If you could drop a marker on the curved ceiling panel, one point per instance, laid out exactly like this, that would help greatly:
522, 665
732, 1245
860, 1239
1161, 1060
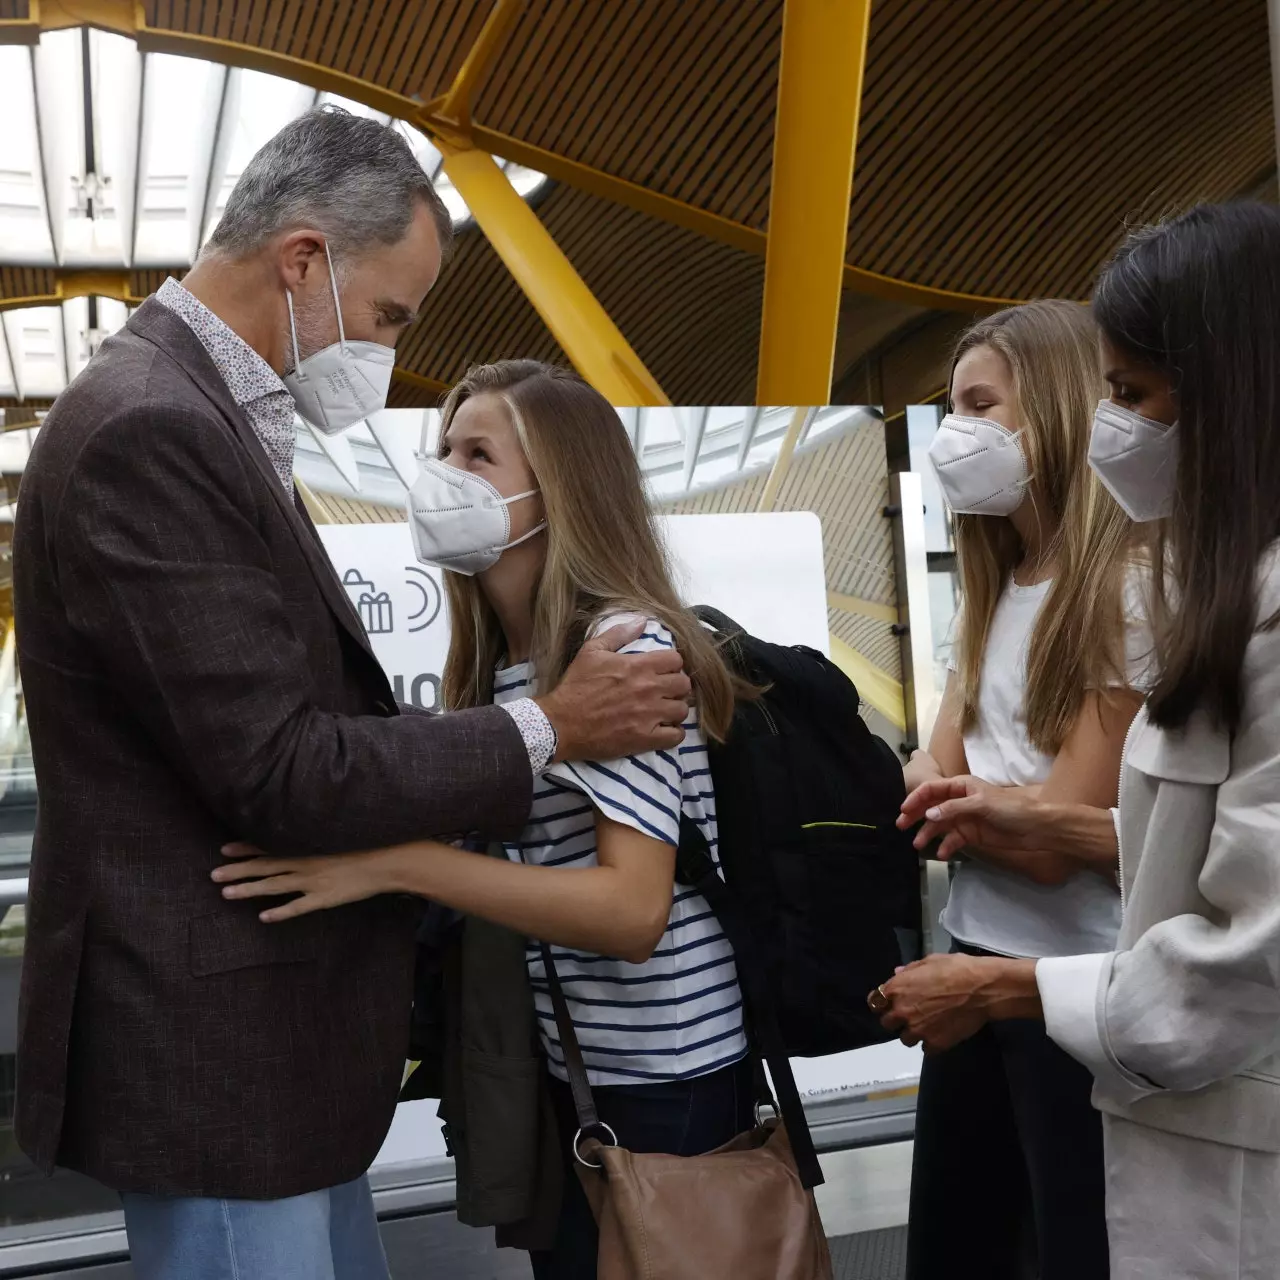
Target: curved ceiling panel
1010, 159
407, 46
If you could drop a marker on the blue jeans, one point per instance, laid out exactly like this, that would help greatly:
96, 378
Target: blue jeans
325, 1235
676, 1117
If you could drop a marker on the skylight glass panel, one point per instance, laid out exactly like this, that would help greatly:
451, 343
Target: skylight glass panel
397, 433
82, 203
15, 449
258, 106
526, 181
770, 431
337, 448
102, 181
35, 338
831, 420
661, 429
356, 108
181, 101
24, 224
428, 157
453, 201
86, 323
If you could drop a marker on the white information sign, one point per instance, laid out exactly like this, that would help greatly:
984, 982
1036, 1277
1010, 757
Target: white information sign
765, 571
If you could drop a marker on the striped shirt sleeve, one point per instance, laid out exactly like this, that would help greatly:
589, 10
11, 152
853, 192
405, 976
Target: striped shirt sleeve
642, 791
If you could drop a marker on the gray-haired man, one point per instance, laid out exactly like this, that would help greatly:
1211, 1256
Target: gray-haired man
194, 673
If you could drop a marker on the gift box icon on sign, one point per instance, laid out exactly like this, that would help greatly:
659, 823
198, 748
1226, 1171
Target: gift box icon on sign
374, 606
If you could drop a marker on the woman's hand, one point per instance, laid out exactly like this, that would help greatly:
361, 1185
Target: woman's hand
992, 824
941, 1000
921, 768
964, 811
320, 883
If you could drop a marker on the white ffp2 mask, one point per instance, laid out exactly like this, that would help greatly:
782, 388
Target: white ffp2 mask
459, 521
342, 383
1136, 459
980, 468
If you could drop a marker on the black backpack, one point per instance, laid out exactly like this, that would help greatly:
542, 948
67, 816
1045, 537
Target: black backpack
820, 895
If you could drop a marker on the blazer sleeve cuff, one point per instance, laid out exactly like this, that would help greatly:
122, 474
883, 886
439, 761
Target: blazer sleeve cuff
1073, 992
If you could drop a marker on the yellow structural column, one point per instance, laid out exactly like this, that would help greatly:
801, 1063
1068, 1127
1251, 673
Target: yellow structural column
824, 49
559, 294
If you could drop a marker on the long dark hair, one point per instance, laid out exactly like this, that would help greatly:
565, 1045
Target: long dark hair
1198, 299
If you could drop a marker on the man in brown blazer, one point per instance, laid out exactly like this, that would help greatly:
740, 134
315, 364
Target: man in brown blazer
194, 674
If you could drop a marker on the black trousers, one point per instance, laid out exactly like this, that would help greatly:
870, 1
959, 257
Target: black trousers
677, 1117
1007, 1175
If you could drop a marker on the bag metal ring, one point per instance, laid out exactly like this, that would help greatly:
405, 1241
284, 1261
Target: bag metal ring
577, 1143
762, 1106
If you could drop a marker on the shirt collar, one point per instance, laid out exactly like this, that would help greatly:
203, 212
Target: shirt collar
247, 375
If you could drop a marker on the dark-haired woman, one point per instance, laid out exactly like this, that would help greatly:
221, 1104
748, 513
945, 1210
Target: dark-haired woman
1180, 1025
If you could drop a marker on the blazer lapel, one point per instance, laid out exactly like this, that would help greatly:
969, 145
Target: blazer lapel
156, 323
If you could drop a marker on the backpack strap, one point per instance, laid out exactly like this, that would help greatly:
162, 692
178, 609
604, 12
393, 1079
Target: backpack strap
696, 868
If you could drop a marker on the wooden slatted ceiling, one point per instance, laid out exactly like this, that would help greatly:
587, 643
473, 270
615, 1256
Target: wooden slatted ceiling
413, 47
1011, 158
13, 10
1003, 147
674, 95
26, 282
690, 307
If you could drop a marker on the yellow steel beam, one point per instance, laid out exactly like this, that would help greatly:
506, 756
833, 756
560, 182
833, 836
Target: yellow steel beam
875, 686
125, 17
431, 386
455, 105
78, 284
568, 308
782, 463
865, 608
824, 49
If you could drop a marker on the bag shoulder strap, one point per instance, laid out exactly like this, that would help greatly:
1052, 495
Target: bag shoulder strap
697, 869
589, 1122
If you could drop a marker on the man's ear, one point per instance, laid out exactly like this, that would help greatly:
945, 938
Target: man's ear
299, 256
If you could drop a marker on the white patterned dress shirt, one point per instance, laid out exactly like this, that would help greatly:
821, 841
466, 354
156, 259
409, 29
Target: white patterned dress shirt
257, 388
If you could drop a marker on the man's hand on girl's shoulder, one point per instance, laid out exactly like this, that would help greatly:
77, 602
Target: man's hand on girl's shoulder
610, 704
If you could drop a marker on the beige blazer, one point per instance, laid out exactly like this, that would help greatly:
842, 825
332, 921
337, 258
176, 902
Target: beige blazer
1181, 1024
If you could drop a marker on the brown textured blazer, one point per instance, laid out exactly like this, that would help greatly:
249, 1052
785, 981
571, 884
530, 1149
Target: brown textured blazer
194, 672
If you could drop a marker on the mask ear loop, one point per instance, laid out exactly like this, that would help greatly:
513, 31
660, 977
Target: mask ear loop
337, 306
298, 371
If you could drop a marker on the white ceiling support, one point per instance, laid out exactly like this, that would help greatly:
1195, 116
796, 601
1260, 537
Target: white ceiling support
695, 428
800, 419
749, 424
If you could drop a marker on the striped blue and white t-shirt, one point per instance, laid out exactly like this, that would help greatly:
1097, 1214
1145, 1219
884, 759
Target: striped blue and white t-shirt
679, 1014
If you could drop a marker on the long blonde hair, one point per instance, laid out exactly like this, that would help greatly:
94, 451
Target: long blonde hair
604, 553
1077, 646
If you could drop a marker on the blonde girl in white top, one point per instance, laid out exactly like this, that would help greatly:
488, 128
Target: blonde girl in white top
1050, 654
